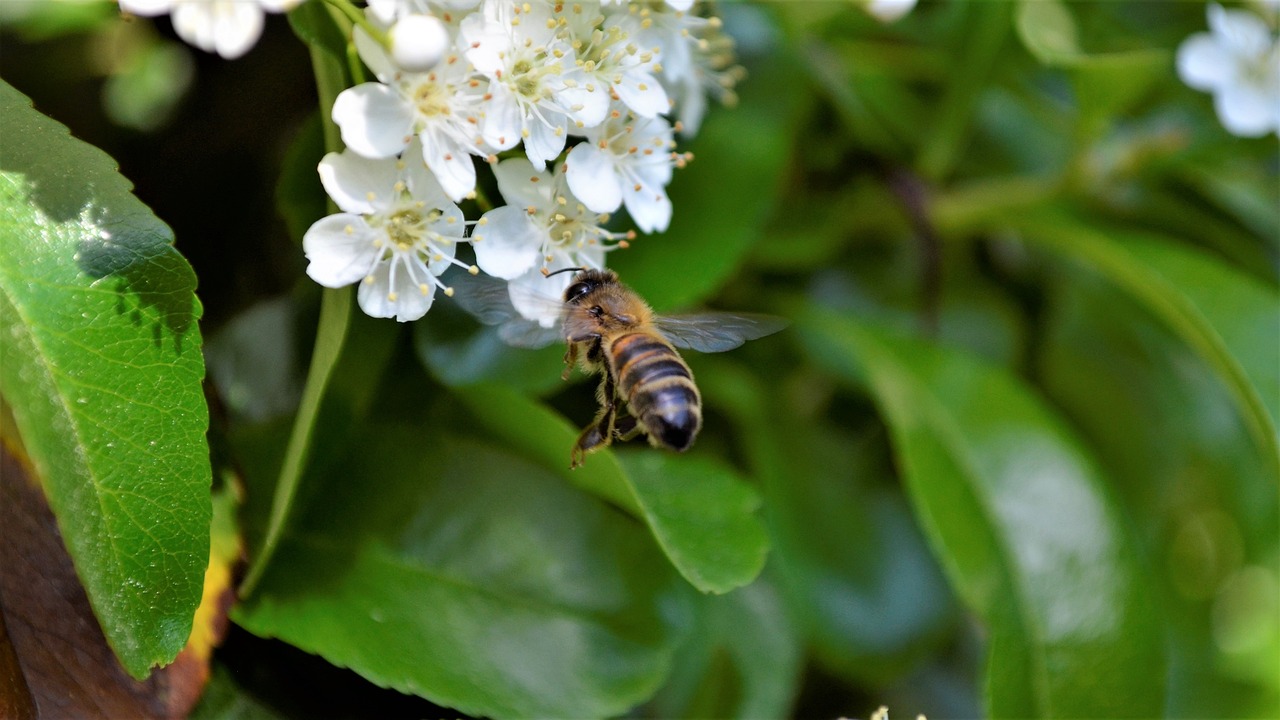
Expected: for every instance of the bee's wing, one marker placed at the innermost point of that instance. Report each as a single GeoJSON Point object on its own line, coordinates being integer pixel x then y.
{"type": "Point", "coordinates": [489, 300]}
{"type": "Point", "coordinates": [717, 331]}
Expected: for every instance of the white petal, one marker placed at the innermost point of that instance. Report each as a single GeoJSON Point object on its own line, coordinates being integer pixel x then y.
{"type": "Point", "coordinates": [649, 207]}
{"type": "Point", "coordinates": [279, 6]}
{"type": "Point", "coordinates": [195, 23]}
{"type": "Point", "coordinates": [237, 28]}
{"type": "Point", "coordinates": [376, 121]}
{"type": "Point", "coordinates": [501, 123]}
{"type": "Point", "coordinates": [1244, 110]}
{"type": "Point", "coordinates": [486, 42]}
{"type": "Point", "coordinates": [340, 249]}
{"type": "Point", "coordinates": [693, 105]}
{"type": "Point", "coordinates": [384, 11]}
{"type": "Point", "coordinates": [1203, 63]}
{"type": "Point", "coordinates": [545, 141]}
{"type": "Point", "coordinates": [887, 11]}
{"type": "Point", "coordinates": [642, 93]}
{"type": "Point", "coordinates": [532, 293]}
{"type": "Point", "coordinates": [588, 103]}
{"type": "Point", "coordinates": [440, 260]}
{"type": "Point", "coordinates": [1241, 31]}
{"type": "Point", "coordinates": [593, 178]}
{"type": "Point", "coordinates": [373, 54]}
{"type": "Point", "coordinates": [452, 166]}
{"type": "Point", "coordinates": [421, 181]}
{"type": "Point", "coordinates": [358, 184]}
{"type": "Point", "coordinates": [680, 5]}
{"type": "Point", "coordinates": [508, 242]}
{"type": "Point", "coordinates": [397, 291]}
{"type": "Point", "coordinates": [523, 186]}
{"type": "Point", "coordinates": [146, 8]}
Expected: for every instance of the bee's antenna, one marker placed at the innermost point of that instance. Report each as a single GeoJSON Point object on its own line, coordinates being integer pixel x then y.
{"type": "Point", "coordinates": [564, 270]}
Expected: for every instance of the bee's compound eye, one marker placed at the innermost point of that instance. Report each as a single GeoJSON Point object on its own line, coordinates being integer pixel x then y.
{"type": "Point", "coordinates": [576, 291]}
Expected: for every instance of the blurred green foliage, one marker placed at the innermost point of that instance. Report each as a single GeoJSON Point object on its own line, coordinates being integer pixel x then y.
{"type": "Point", "coordinates": [1017, 454]}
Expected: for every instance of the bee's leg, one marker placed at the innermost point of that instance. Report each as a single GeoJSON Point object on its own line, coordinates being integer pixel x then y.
{"type": "Point", "coordinates": [626, 428]}
{"type": "Point", "coordinates": [570, 359]}
{"type": "Point", "coordinates": [600, 432]}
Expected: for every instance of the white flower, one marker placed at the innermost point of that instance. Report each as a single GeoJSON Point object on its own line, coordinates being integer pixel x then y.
{"type": "Point", "coordinates": [695, 57]}
{"type": "Point", "coordinates": [887, 11]}
{"type": "Point", "coordinates": [397, 233]}
{"type": "Point", "coordinates": [1239, 62]}
{"type": "Point", "coordinates": [535, 86]}
{"type": "Point", "coordinates": [543, 228]}
{"type": "Point", "coordinates": [441, 107]}
{"type": "Point", "coordinates": [418, 42]}
{"type": "Point", "coordinates": [626, 161]}
{"type": "Point", "coordinates": [227, 27]}
{"type": "Point", "coordinates": [607, 56]}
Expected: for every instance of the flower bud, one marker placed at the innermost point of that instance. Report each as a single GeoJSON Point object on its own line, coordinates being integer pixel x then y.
{"type": "Point", "coordinates": [418, 42]}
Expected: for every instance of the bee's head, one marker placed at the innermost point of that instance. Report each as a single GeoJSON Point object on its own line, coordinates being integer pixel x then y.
{"type": "Point", "coordinates": [586, 282]}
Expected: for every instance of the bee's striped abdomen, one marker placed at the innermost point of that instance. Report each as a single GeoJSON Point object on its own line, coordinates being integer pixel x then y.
{"type": "Point", "coordinates": [658, 388]}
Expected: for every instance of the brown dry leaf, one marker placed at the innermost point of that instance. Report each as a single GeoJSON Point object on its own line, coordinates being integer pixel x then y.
{"type": "Point", "coordinates": [54, 659]}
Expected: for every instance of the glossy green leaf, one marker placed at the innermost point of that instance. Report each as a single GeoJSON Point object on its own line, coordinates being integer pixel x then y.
{"type": "Point", "coordinates": [1201, 302]}
{"type": "Point", "coordinates": [1018, 511]}
{"type": "Point", "coordinates": [724, 196]}
{"type": "Point", "coordinates": [742, 660]}
{"type": "Point", "coordinates": [1194, 484]}
{"type": "Point", "coordinates": [453, 570]}
{"type": "Point", "coordinates": [855, 569]}
{"type": "Point", "coordinates": [101, 365]}
{"type": "Point", "coordinates": [701, 513]}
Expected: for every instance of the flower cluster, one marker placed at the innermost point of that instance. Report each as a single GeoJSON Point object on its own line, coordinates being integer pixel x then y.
{"type": "Point", "coordinates": [1239, 62]}
{"type": "Point", "coordinates": [575, 98]}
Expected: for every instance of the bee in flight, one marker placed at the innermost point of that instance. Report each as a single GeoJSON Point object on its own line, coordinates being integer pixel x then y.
{"type": "Point", "coordinates": [645, 386]}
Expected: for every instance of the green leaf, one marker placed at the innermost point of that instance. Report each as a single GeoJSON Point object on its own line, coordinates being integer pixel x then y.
{"type": "Point", "coordinates": [101, 365]}
{"type": "Point", "coordinates": [1018, 511]}
{"type": "Point", "coordinates": [1212, 309]}
{"type": "Point", "coordinates": [452, 570]}
{"type": "Point", "coordinates": [723, 198]}
{"type": "Point", "coordinates": [742, 660]}
{"type": "Point", "coordinates": [701, 513]}
{"type": "Point", "coordinates": [1104, 83]}
{"type": "Point", "coordinates": [1194, 484]}
{"type": "Point", "coordinates": [856, 571]}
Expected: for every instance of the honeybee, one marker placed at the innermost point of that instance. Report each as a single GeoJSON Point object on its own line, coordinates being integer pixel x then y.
{"type": "Point", "coordinates": [645, 386]}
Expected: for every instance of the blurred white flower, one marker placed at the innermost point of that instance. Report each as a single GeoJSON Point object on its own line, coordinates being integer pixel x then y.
{"type": "Point", "coordinates": [442, 107]}
{"type": "Point", "coordinates": [696, 59]}
{"type": "Point", "coordinates": [226, 27]}
{"type": "Point", "coordinates": [626, 161]}
{"type": "Point", "coordinates": [887, 11]}
{"type": "Point", "coordinates": [1239, 62]}
{"type": "Point", "coordinates": [536, 90]}
{"type": "Point", "coordinates": [418, 42]}
{"type": "Point", "coordinates": [396, 235]}
{"type": "Point", "coordinates": [543, 228]}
